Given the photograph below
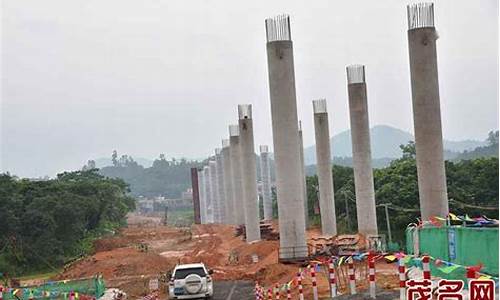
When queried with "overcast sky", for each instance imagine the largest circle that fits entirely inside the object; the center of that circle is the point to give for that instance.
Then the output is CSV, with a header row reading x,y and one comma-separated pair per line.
x,y
83,77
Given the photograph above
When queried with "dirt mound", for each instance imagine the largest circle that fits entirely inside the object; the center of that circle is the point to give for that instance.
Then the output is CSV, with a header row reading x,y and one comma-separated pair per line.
x,y
118,263
110,244
261,249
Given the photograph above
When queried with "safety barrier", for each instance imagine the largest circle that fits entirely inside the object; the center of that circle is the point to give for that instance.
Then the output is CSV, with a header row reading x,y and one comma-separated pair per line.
x,y
336,275
333,268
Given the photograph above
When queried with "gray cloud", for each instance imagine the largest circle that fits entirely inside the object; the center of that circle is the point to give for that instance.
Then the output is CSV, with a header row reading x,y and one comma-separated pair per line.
x,y
81,78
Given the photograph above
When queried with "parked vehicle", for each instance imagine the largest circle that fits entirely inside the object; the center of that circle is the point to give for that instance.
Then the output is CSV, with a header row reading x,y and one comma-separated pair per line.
x,y
190,281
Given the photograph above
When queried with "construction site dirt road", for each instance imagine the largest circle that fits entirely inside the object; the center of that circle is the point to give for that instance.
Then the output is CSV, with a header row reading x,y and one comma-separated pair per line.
x,y
147,250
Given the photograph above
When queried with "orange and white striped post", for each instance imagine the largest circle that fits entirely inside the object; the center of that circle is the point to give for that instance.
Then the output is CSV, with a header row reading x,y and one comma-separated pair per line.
x,y
352,278
333,282
402,279
301,289
288,292
270,294
314,283
426,267
277,291
1,292
371,275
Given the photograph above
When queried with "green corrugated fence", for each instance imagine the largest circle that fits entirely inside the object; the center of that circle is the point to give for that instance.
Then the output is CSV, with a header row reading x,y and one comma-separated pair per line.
x,y
466,246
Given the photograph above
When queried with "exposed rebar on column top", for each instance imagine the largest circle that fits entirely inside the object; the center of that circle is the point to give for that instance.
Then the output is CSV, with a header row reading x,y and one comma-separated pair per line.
x,y
420,15
264,148
319,106
278,28
225,143
355,74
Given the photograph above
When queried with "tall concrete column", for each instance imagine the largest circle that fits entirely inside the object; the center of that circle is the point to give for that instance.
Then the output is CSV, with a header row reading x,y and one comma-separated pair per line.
x,y
422,38
228,183
203,207
220,186
286,140
249,173
208,196
196,195
324,168
361,150
303,175
265,175
214,191
235,155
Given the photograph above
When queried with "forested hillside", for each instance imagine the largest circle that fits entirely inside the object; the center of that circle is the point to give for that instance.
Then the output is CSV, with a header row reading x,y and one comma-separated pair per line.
x,y
44,224
489,150
168,178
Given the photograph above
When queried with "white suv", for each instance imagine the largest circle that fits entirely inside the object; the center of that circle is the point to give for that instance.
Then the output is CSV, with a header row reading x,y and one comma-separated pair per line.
x,y
191,281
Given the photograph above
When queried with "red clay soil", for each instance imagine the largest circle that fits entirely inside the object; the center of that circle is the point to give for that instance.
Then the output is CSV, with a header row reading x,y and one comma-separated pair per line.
x,y
123,265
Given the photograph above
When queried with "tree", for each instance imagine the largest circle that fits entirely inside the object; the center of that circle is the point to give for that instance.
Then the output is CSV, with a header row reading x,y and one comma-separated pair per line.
x,y
492,138
114,158
43,224
91,164
472,189
409,150
167,178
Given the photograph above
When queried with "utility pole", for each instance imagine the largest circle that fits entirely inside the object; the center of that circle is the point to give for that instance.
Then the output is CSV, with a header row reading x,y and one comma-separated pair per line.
x,y
165,216
386,205
344,193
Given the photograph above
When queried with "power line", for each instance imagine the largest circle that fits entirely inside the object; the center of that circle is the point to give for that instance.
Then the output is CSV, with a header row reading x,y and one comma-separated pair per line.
x,y
473,206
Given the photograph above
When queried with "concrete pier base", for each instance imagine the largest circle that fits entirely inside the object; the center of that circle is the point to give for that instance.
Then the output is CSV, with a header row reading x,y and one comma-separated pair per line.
x,y
286,140
361,150
422,38
324,168
235,155
249,173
